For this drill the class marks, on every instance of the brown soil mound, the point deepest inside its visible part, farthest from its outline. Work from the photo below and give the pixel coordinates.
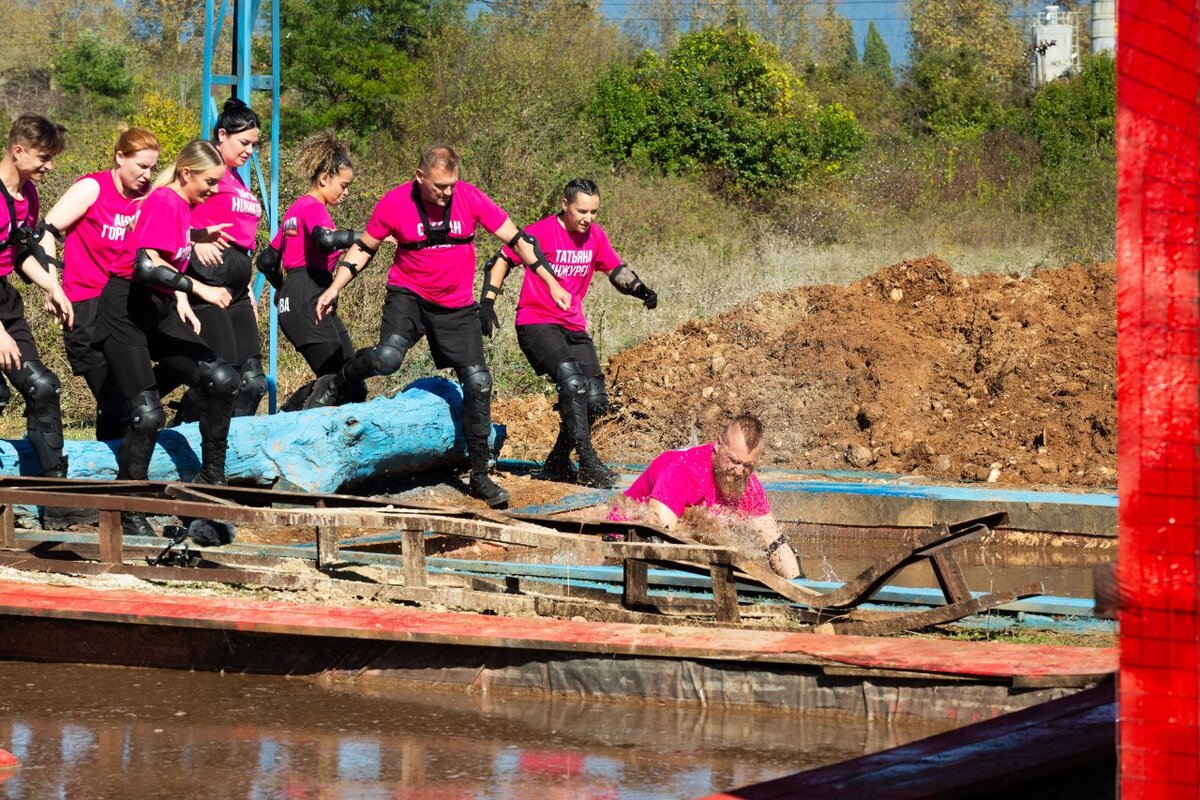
(914, 369)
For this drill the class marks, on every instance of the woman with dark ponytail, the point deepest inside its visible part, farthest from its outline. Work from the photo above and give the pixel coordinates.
(302, 257)
(231, 332)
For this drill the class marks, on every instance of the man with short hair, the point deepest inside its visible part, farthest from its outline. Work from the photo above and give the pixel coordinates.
(33, 142)
(718, 476)
(431, 293)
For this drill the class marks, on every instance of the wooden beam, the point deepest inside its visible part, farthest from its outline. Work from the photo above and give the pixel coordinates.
(110, 538)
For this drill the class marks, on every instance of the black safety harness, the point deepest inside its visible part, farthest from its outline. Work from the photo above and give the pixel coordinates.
(435, 235)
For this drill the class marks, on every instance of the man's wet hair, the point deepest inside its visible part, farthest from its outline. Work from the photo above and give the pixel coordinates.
(440, 156)
(37, 133)
(579, 186)
(751, 428)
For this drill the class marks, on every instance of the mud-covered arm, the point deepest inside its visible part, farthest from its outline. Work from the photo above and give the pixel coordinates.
(626, 281)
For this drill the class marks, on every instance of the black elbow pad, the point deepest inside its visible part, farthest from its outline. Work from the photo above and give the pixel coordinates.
(269, 264)
(330, 240)
(148, 272)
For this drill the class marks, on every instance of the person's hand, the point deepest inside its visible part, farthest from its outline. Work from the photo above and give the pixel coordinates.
(325, 303)
(561, 297)
(648, 297)
(253, 300)
(213, 234)
(216, 295)
(58, 305)
(487, 316)
(10, 354)
(208, 253)
(186, 313)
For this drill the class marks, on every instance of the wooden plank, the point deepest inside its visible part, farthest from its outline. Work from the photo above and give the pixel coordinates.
(634, 590)
(898, 623)
(724, 593)
(110, 537)
(188, 492)
(950, 577)
(983, 660)
(327, 545)
(414, 558)
(8, 533)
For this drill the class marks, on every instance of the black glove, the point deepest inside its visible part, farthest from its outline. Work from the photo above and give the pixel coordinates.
(647, 295)
(487, 316)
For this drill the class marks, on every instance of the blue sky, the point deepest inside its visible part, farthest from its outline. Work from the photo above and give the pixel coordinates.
(890, 18)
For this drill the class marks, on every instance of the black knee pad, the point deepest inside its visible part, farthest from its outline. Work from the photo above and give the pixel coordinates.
(570, 380)
(597, 398)
(146, 414)
(5, 395)
(218, 379)
(388, 355)
(253, 384)
(476, 381)
(38, 385)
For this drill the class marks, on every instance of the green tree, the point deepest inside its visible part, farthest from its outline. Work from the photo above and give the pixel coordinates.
(836, 53)
(350, 64)
(722, 103)
(985, 27)
(92, 65)
(876, 59)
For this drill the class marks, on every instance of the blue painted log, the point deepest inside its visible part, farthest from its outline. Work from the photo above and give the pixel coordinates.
(321, 450)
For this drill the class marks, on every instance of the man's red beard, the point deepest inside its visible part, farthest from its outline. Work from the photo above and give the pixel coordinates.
(731, 485)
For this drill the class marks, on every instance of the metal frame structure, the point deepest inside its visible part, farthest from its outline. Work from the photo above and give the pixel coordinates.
(243, 82)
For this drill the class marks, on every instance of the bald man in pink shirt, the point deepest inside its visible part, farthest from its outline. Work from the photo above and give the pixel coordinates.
(718, 476)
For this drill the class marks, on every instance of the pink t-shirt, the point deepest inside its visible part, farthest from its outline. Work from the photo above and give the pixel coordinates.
(444, 274)
(680, 479)
(97, 240)
(574, 258)
(27, 207)
(163, 224)
(295, 242)
(233, 203)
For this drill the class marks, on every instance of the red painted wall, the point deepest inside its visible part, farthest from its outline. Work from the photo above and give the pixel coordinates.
(1158, 154)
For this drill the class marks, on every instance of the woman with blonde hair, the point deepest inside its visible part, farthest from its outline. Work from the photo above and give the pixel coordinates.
(94, 216)
(146, 317)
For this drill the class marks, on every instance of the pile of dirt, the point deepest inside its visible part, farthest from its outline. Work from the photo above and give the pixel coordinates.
(915, 369)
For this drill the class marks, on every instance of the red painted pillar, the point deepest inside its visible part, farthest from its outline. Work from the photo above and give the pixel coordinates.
(1158, 300)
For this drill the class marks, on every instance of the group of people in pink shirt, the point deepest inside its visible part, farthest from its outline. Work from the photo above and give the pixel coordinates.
(156, 292)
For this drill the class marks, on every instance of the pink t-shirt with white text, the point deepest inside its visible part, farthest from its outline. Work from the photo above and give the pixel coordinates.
(680, 479)
(296, 243)
(163, 224)
(444, 274)
(97, 240)
(232, 203)
(27, 207)
(574, 258)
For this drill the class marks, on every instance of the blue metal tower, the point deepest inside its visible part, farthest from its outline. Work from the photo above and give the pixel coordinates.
(245, 14)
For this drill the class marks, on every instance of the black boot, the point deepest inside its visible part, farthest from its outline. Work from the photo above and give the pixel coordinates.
(592, 471)
(477, 426)
(59, 519)
(214, 439)
(558, 466)
(481, 484)
(572, 407)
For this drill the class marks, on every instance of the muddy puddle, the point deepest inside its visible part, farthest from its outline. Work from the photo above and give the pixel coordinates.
(1064, 571)
(100, 732)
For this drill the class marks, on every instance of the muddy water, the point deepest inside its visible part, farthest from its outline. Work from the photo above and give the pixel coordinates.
(99, 732)
(1064, 571)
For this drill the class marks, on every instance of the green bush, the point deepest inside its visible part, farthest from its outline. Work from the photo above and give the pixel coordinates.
(92, 65)
(722, 103)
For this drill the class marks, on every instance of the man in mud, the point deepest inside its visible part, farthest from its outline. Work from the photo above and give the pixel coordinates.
(718, 478)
